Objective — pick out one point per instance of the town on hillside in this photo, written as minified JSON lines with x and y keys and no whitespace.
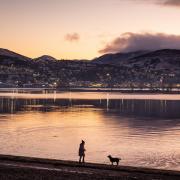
{"x":153,"y":70}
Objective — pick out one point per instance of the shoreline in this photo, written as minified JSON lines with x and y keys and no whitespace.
{"x":16,"y":167}
{"x":89,"y":96}
{"x":118,"y":90}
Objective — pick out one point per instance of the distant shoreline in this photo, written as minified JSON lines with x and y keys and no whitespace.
{"x":85,"y":95}
{"x":120,"y":90}
{"x":19,"y":167}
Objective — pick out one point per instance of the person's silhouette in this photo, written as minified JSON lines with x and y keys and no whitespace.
{"x":82,"y":151}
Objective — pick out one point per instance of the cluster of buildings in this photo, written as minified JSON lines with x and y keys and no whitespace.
{"x":65,"y":74}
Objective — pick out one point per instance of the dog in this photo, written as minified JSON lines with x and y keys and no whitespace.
{"x":112,"y":160}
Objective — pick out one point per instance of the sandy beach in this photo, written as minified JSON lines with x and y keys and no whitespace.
{"x":28,"y":168}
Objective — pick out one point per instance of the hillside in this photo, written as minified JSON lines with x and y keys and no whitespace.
{"x":142,"y":58}
{"x":117,"y":58}
{"x":161,"y":59}
{"x":136,"y":69}
{"x":8,"y":53}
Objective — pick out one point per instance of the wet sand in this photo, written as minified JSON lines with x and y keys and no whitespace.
{"x":28,"y":168}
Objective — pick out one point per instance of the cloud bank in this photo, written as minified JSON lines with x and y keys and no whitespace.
{"x":72,"y":37}
{"x":174,"y":3}
{"x":171,"y":3}
{"x":129,"y":42}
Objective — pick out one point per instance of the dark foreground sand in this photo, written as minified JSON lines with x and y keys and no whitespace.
{"x":26,"y":168}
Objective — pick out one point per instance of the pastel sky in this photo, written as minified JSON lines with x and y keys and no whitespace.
{"x":84,"y":29}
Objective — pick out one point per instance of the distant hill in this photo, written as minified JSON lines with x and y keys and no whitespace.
{"x":117,"y":58}
{"x":8,"y":53}
{"x":10,"y":58}
{"x":45,"y":58}
{"x":133,"y":69}
{"x":156,"y":60}
{"x":165,"y":58}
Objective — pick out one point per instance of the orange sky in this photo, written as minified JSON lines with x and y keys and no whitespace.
{"x":78,"y":29}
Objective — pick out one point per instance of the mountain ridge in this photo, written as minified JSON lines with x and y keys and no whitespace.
{"x":7,"y":52}
{"x":120,"y":58}
{"x":45,"y":58}
{"x":134,"y":69}
{"x":115,"y":58}
{"x":112,"y":58}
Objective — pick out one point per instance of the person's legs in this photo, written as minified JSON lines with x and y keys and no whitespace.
{"x":83,"y":158}
{"x":80,"y":158}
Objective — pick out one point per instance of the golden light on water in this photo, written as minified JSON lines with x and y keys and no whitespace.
{"x":57,"y":134}
{"x":91,"y":95}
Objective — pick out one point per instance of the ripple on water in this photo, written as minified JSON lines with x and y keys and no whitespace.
{"x":164,"y":161}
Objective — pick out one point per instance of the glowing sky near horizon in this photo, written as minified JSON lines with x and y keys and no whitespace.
{"x":78,"y":29}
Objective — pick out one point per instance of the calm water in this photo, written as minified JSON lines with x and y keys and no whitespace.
{"x":144,"y":130}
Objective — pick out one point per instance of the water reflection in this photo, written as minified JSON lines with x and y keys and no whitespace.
{"x":141,"y":132}
{"x":146,"y":108}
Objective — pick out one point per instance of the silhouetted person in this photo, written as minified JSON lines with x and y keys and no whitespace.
{"x":81,"y":151}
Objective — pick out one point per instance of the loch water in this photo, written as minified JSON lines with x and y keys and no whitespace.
{"x":141,"y":131}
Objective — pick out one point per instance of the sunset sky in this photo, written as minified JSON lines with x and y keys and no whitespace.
{"x":84,"y":29}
